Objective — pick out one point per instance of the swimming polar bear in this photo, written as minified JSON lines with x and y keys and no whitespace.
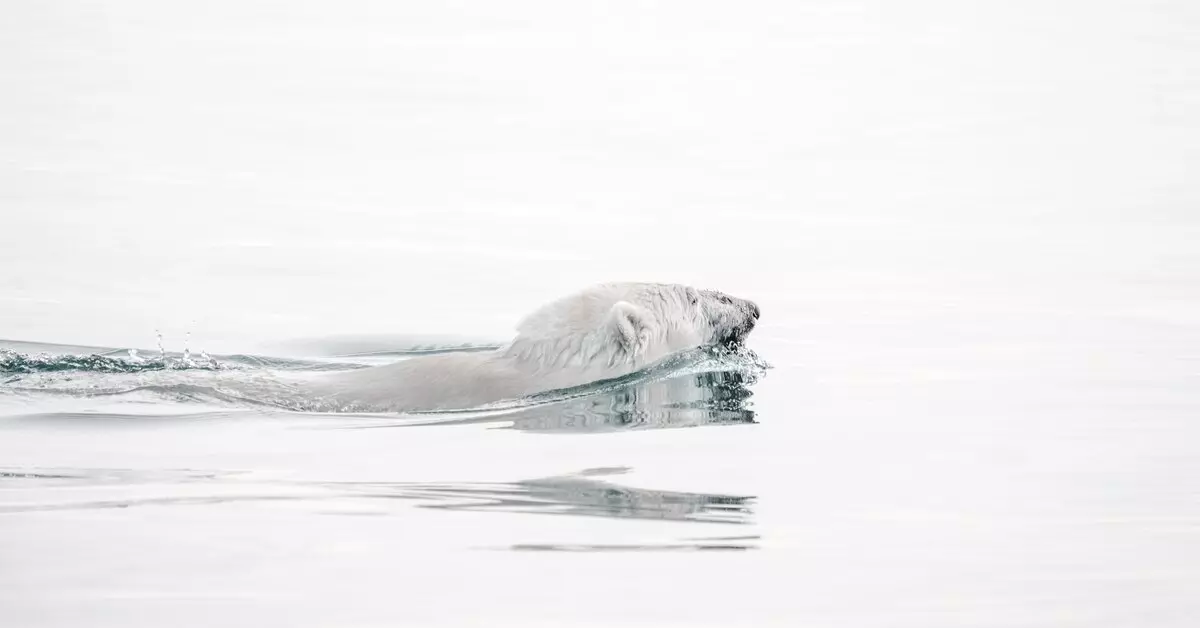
{"x":605,"y":331}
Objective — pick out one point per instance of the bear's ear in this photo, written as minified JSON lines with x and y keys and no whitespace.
{"x":630,"y":326}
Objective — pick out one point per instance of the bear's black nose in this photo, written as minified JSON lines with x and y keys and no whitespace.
{"x":754,"y":310}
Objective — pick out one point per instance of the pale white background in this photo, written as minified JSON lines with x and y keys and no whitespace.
{"x":239,"y":169}
{"x":972,"y":229}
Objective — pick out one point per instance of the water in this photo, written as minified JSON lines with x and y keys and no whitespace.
{"x":971,"y":231}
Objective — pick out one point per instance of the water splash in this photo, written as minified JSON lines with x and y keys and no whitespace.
{"x":740,"y":360}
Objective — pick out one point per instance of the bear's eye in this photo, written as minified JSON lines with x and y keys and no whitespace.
{"x":693,"y":299}
{"x":726,"y":300}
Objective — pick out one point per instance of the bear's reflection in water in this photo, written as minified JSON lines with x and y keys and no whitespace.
{"x":585,"y":493}
{"x":578,"y":494}
{"x":693,"y":400}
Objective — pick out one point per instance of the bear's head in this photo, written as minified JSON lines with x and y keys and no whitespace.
{"x":630,"y":325}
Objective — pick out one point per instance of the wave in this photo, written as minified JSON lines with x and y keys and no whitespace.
{"x":12,"y":362}
{"x":702,"y":386}
{"x":132,"y":361}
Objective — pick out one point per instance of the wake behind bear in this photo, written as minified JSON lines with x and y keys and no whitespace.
{"x":603,"y":332}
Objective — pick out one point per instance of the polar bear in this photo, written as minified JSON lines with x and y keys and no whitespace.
{"x":602,"y":332}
